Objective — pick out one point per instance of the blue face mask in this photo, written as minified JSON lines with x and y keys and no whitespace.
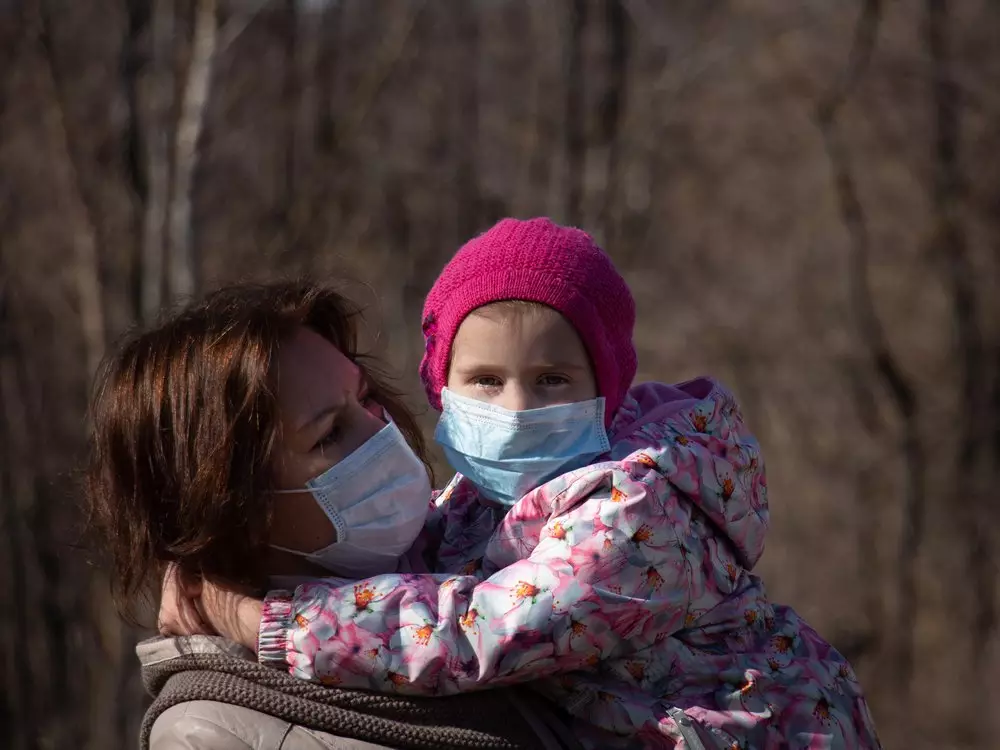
{"x":506,"y":454}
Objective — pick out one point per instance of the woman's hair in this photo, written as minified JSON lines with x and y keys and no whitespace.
{"x":184,"y":429}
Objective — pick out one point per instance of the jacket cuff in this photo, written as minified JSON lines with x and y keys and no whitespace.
{"x":275,"y":626}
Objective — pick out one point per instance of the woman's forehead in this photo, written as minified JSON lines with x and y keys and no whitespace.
{"x":312,"y":374}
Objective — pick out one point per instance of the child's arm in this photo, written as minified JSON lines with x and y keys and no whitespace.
{"x":607,"y":578}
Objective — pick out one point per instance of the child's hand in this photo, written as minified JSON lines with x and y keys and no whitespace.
{"x":231,"y":615}
{"x":179,"y":612}
{"x":202,"y":608}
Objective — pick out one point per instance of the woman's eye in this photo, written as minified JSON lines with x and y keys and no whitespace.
{"x":552,"y":380}
{"x":329,"y":438}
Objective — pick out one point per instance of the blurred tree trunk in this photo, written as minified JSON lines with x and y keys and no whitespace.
{"x":872,"y":332}
{"x":20,"y":691}
{"x":293,"y":86}
{"x":950,"y":245}
{"x":611,"y":113}
{"x":303,"y":168}
{"x":535,"y":173}
{"x":161,"y":95}
{"x":133,"y":62}
{"x":182,"y":263}
{"x":575,"y":114}
{"x":868,"y":483}
{"x":328,"y":30}
{"x":465,"y":121}
{"x":86,"y":263}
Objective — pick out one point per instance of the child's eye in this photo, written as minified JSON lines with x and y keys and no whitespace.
{"x":487,"y":381}
{"x":553,"y":380}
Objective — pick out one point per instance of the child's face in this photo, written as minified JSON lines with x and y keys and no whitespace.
{"x":520,"y":359}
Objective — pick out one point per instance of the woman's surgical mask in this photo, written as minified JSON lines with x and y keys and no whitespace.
{"x":377,"y":499}
{"x":506,"y":454}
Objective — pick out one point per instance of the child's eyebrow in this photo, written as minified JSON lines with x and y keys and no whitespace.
{"x":561,"y":366}
{"x":477,"y":366}
{"x":493,"y":365}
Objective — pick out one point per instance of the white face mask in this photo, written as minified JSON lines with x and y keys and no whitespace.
{"x":377,"y":498}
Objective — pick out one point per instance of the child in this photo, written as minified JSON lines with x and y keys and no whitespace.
{"x":604,"y":532}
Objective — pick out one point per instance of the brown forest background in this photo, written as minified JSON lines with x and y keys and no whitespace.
{"x":805,"y":197}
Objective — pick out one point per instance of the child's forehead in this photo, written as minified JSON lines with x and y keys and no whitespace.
{"x":522,"y":330}
{"x":517,"y":318}
{"x":510,"y":310}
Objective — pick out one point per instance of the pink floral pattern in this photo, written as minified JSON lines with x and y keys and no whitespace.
{"x":622,"y":591}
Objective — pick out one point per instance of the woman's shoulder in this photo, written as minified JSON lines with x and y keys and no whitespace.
{"x":212,"y":725}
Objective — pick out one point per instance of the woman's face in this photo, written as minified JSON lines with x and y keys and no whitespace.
{"x":324,"y":414}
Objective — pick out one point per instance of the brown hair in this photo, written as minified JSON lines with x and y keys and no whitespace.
{"x":184,"y":426}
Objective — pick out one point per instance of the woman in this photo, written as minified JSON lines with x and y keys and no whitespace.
{"x":244,"y":442}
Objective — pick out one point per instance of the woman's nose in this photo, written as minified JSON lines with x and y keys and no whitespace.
{"x":376,"y":410}
{"x":370,"y":420}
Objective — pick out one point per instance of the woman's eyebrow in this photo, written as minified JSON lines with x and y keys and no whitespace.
{"x":332,"y":409}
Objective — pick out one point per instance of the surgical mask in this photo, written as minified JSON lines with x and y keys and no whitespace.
{"x":506,"y":454}
{"x":377,"y":499}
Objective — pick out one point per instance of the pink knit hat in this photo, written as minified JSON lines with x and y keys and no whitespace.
{"x":535,"y":261}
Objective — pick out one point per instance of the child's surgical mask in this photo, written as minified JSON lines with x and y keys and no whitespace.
{"x":506,"y":454}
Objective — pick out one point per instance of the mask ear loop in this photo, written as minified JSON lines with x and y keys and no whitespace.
{"x":339,"y":529}
{"x":289,"y":550}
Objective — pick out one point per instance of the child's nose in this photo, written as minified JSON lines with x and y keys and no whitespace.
{"x":517,"y":398}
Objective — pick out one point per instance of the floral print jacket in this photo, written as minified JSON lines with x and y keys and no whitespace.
{"x":622,"y":590}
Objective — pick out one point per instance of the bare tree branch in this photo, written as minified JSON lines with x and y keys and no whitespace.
{"x":238,"y":24}
{"x":858,"y":62}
